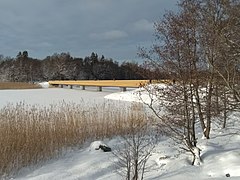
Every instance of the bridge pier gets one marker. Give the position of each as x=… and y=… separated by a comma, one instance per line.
x=99, y=88
x=83, y=87
x=61, y=86
x=123, y=89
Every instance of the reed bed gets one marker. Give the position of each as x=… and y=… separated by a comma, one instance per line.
x=18, y=85
x=31, y=135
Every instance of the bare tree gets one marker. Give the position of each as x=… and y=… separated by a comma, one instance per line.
x=187, y=49
x=221, y=40
x=174, y=107
x=178, y=55
x=135, y=151
x=198, y=47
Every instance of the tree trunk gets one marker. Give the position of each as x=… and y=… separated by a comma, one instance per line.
x=193, y=137
x=199, y=108
x=208, y=111
x=224, y=110
x=196, y=156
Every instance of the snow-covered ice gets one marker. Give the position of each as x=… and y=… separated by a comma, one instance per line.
x=45, y=97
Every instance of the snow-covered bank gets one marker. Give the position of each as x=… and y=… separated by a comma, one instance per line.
x=44, y=84
x=221, y=156
x=136, y=95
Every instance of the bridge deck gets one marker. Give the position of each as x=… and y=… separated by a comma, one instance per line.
x=102, y=83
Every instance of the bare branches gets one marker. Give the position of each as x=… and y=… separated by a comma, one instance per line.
x=135, y=151
x=197, y=47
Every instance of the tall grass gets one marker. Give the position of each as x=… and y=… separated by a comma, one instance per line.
x=30, y=135
x=18, y=85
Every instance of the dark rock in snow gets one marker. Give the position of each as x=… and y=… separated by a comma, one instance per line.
x=227, y=175
x=105, y=148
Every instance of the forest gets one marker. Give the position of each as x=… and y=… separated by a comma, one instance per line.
x=65, y=67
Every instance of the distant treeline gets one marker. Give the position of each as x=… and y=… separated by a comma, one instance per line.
x=65, y=67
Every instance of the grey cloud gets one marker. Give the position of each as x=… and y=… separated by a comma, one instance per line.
x=143, y=25
x=110, y=27
x=109, y=35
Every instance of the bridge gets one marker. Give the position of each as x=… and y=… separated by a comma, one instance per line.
x=122, y=84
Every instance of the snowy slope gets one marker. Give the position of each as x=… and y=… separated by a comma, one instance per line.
x=220, y=154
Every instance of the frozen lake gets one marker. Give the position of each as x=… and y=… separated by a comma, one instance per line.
x=48, y=96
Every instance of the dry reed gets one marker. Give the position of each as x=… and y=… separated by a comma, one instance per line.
x=30, y=135
x=18, y=85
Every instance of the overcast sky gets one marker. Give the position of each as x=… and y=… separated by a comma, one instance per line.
x=113, y=28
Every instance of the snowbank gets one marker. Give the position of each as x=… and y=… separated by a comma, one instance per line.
x=44, y=84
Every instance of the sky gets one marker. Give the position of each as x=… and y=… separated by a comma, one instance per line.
x=113, y=28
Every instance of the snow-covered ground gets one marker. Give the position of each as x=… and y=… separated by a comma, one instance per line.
x=220, y=154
